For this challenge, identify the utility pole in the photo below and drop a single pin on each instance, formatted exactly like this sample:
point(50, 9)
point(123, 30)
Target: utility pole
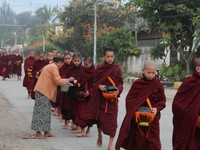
point(95, 33)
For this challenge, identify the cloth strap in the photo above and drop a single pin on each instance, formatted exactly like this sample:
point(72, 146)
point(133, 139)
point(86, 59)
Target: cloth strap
point(113, 83)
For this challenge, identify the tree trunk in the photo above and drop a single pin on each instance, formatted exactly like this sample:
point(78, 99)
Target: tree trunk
point(187, 66)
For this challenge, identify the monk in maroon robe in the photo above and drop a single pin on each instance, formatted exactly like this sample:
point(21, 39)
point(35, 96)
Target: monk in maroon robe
point(4, 66)
point(28, 68)
point(99, 108)
point(132, 136)
point(186, 109)
point(37, 68)
point(86, 87)
point(18, 65)
point(70, 109)
point(60, 101)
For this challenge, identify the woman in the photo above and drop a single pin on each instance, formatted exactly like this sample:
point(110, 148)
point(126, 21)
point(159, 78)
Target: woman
point(45, 91)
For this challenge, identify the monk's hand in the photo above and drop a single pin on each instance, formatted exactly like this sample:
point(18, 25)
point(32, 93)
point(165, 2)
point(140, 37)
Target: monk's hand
point(117, 93)
point(154, 110)
point(86, 94)
point(102, 88)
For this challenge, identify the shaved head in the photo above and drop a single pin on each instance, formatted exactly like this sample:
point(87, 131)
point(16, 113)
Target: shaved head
point(195, 62)
point(149, 63)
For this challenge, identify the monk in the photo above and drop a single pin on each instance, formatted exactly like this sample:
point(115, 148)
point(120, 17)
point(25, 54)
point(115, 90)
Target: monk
point(133, 136)
point(18, 65)
point(83, 99)
point(28, 68)
point(99, 108)
point(60, 102)
point(69, 108)
point(186, 108)
point(49, 58)
point(37, 68)
point(4, 66)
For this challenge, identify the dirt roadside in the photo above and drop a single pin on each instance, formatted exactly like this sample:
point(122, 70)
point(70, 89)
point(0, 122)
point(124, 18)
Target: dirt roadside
point(13, 126)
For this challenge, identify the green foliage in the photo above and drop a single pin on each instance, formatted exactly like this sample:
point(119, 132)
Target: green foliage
point(158, 52)
point(172, 73)
point(178, 19)
point(80, 14)
point(7, 16)
point(118, 39)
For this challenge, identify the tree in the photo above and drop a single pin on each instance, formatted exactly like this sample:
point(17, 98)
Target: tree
point(117, 38)
point(46, 13)
point(7, 16)
point(79, 17)
point(176, 19)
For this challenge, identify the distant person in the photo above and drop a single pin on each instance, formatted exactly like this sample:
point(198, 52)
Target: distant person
point(146, 93)
point(28, 71)
point(186, 112)
point(18, 60)
point(45, 90)
point(4, 66)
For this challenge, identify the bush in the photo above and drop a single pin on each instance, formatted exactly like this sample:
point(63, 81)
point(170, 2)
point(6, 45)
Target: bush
point(172, 73)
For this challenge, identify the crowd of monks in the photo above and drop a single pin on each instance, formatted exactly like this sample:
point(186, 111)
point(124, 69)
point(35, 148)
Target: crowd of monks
point(86, 105)
point(10, 64)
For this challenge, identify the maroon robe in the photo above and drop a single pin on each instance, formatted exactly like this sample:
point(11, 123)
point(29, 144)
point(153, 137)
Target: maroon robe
point(4, 66)
point(18, 60)
point(10, 64)
point(107, 121)
point(37, 67)
point(28, 81)
point(130, 137)
point(60, 95)
point(69, 105)
point(186, 107)
point(85, 85)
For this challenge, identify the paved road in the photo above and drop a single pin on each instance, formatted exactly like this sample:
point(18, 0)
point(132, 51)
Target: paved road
point(16, 113)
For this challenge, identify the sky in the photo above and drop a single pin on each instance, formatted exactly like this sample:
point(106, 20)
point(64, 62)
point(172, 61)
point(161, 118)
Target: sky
point(19, 6)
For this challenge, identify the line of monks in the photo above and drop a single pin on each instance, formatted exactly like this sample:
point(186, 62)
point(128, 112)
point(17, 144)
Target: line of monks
point(10, 64)
point(89, 103)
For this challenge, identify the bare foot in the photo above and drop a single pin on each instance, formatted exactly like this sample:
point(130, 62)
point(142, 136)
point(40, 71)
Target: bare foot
point(111, 148)
point(65, 126)
point(81, 134)
point(49, 134)
point(99, 141)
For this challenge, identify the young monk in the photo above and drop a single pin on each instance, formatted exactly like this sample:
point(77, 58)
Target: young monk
point(132, 136)
point(49, 58)
point(37, 68)
point(69, 107)
point(60, 102)
point(28, 68)
point(100, 108)
point(186, 109)
point(86, 88)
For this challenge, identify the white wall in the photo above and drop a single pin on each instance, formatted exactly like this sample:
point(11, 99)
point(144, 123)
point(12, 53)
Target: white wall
point(136, 64)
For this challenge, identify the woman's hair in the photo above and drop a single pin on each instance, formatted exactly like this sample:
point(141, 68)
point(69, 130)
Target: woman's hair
point(107, 50)
point(77, 56)
point(58, 59)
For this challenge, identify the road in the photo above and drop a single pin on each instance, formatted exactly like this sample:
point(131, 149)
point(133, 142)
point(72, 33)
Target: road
point(16, 114)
